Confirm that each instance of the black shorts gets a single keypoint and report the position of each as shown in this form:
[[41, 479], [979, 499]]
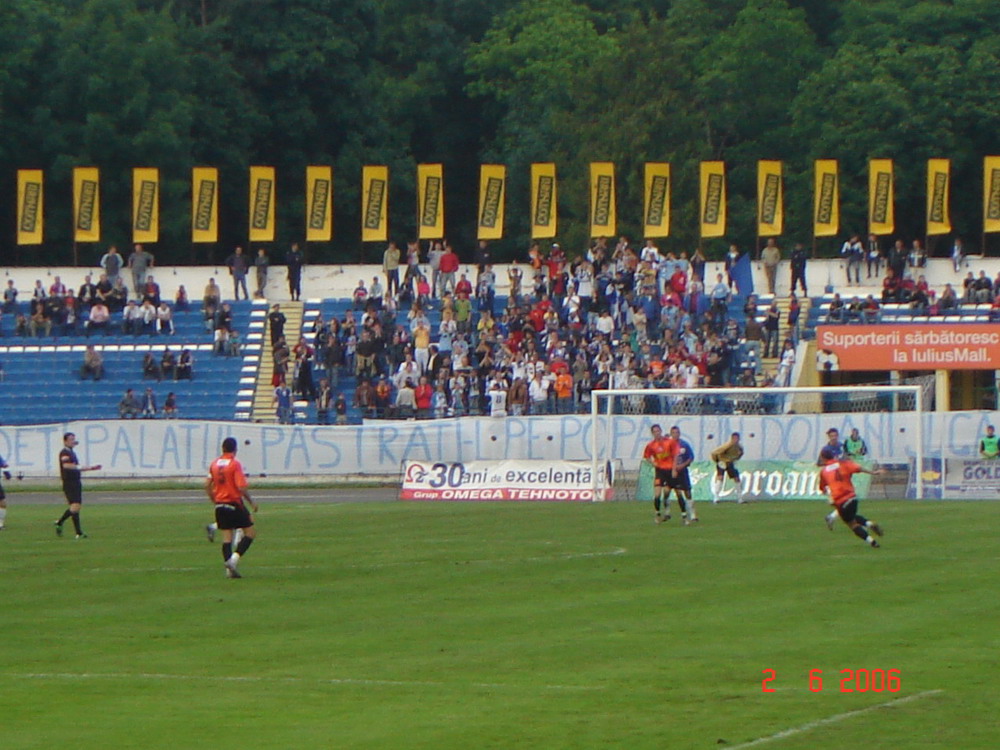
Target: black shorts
[[73, 493], [726, 468], [232, 516], [682, 481], [848, 510], [662, 477]]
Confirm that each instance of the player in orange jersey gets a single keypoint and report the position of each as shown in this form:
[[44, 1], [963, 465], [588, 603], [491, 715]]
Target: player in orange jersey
[[662, 452], [835, 479], [226, 487]]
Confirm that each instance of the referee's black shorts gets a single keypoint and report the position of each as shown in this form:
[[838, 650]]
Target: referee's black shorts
[[232, 516], [73, 492]]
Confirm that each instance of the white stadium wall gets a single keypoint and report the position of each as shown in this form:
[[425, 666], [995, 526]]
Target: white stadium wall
[[161, 448]]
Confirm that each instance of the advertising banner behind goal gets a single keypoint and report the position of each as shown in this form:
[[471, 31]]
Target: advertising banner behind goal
[[502, 480]]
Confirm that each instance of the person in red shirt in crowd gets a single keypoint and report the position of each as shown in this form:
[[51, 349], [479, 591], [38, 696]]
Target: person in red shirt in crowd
[[464, 286], [423, 394], [836, 480], [447, 267], [661, 452]]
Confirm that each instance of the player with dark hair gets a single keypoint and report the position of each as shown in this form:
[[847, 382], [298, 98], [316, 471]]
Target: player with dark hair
[[661, 452], [226, 487], [835, 479], [70, 469], [682, 478], [725, 458]]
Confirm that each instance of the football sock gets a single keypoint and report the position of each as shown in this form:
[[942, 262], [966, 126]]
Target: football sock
[[65, 515], [831, 516], [656, 502], [691, 514], [861, 533], [863, 521], [680, 502], [715, 490], [3, 516], [213, 526], [244, 545], [227, 550], [76, 522]]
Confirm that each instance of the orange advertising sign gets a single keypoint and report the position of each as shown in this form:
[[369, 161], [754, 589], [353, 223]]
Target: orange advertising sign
[[964, 346]]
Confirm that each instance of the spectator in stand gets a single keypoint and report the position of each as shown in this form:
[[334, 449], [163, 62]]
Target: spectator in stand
[[870, 310], [283, 403], [181, 302], [787, 363], [149, 404], [213, 294], [772, 322], [168, 363], [340, 409], [276, 323], [538, 392], [918, 255], [948, 299], [921, 299], [118, 296], [57, 288], [853, 253], [423, 394], [732, 258], [151, 368], [957, 254], [798, 265], [794, 311], [139, 262], [324, 399], [897, 259], [449, 267], [873, 255], [39, 320], [10, 297], [238, 266], [294, 262], [170, 406], [406, 402], [151, 291], [185, 366], [111, 262], [983, 289], [129, 406], [484, 257], [38, 293], [891, 287], [359, 297], [131, 319], [390, 266], [434, 259], [771, 257], [364, 398], [93, 364], [835, 313], [148, 315], [164, 319], [261, 264]]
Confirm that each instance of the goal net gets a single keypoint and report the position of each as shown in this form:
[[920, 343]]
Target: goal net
[[782, 432]]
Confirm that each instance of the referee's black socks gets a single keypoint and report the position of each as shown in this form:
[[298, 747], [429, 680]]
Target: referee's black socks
[[243, 546], [66, 514], [76, 522], [227, 551]]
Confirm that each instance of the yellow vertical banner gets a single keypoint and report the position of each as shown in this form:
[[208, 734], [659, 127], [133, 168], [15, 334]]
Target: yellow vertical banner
[[374, 204], [86, 204], [770, 198], [492, 197], [204, 204], [656, 200], [319, 204], [30, 206], [430, 201], [262, 199], [544, 201], [145, 204], [881, 200], [826, 198], [713, 198], [991, 194], [603, 211], [938, 196]]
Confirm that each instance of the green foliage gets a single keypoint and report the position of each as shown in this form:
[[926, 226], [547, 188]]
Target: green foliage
[[177, 83]]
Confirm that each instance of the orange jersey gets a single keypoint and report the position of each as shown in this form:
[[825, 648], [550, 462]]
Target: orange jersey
[[662, 452], [836, 477], [227, 478]]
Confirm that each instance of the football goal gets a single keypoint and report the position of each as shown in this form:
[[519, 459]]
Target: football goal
[[778, 426]]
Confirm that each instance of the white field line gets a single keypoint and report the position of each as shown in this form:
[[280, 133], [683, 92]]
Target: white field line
[[154, 676], [834, 719]]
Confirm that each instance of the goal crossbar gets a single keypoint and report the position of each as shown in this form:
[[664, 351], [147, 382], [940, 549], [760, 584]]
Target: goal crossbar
[[915, 390]]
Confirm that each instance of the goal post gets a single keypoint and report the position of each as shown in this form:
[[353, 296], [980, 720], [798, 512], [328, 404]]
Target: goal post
[[789, 419]]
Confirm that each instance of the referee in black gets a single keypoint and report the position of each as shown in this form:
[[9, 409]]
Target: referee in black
[[69, 470]]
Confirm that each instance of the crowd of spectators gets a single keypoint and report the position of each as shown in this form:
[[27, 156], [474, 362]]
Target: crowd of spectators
[[617, 316]]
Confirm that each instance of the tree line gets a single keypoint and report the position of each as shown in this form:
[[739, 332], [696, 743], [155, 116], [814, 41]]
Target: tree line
[[230, 83]]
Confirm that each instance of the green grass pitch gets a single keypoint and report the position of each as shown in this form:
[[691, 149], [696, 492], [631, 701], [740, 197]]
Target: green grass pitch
[[394, 625]]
